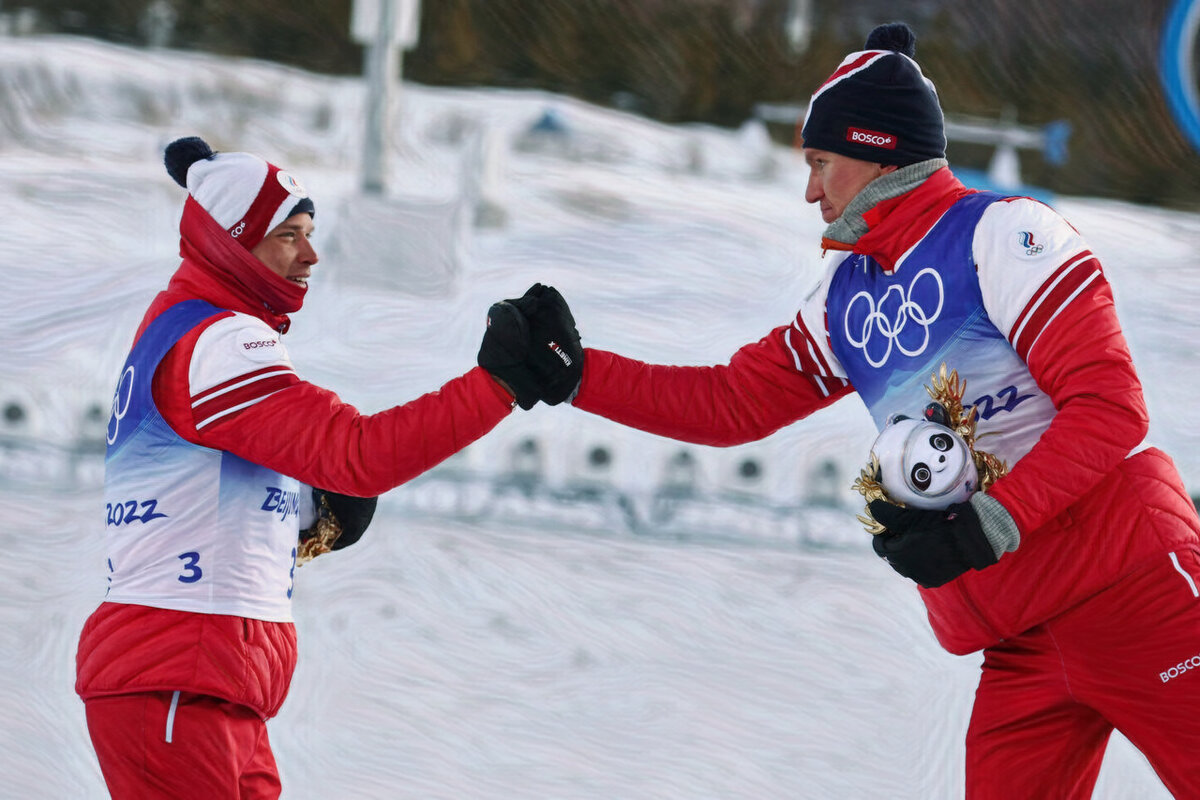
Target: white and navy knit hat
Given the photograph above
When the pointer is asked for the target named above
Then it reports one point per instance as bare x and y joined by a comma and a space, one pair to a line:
246, 195
878, 106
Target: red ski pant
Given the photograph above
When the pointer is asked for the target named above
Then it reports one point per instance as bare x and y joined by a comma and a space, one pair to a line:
181, 746
1128, 658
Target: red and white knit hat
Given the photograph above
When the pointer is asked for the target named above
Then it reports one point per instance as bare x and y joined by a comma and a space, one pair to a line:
246, 195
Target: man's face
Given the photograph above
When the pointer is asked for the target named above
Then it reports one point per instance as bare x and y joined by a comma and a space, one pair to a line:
287, 251
834, 180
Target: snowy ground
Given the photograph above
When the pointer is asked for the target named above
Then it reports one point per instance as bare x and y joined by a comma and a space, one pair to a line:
482, 643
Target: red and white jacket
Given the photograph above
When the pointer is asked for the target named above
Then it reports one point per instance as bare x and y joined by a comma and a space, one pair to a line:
228, 385
1006, 293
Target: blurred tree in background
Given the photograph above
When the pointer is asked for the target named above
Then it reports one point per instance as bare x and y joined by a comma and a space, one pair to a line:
1092, 63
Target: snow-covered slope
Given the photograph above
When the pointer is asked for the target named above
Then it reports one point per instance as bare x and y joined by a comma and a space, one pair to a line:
489, 640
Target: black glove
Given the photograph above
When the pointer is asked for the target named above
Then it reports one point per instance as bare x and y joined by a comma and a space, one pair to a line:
532, 345
556, 358
351, 515
931, 547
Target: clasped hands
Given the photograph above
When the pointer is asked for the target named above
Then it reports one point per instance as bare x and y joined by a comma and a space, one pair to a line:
532, 347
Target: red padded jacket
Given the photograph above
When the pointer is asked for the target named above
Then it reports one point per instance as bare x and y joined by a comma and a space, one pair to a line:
1088, 511
298, 429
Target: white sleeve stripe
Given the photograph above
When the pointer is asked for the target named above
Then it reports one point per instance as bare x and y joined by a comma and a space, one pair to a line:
204, 397
820, 379
813, 353
816, 357
1065, 303
819, 360
232, 409
787, 338
1045, 292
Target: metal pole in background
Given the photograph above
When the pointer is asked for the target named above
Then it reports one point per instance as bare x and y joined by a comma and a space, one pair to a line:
380, 67
798, 25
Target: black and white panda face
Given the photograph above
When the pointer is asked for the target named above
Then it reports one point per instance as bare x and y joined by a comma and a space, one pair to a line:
924, 465
931, 457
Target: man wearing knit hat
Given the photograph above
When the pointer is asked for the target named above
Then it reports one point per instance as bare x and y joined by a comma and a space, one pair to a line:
215, 447
1076, 572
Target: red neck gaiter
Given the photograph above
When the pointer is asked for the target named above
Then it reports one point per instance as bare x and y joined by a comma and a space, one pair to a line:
210, 247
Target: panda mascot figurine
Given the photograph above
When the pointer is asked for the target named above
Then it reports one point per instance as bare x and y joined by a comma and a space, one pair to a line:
931, 462
924, 464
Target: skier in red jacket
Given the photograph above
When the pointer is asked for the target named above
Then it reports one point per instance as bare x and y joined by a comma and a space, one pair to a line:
1076, 573
215, 449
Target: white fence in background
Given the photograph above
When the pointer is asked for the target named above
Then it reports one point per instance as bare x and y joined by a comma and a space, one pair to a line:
678, 506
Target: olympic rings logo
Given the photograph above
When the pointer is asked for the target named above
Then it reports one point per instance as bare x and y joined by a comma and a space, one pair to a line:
119, 408
1176, 58
890, 325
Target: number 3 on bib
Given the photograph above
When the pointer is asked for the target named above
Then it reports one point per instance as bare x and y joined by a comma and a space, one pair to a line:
191, 569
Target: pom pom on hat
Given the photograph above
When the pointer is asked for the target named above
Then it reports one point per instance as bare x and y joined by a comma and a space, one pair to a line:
245, 195
878, 106
182, 153
895, 36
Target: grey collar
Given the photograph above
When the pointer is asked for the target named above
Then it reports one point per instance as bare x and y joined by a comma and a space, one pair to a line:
850, 225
